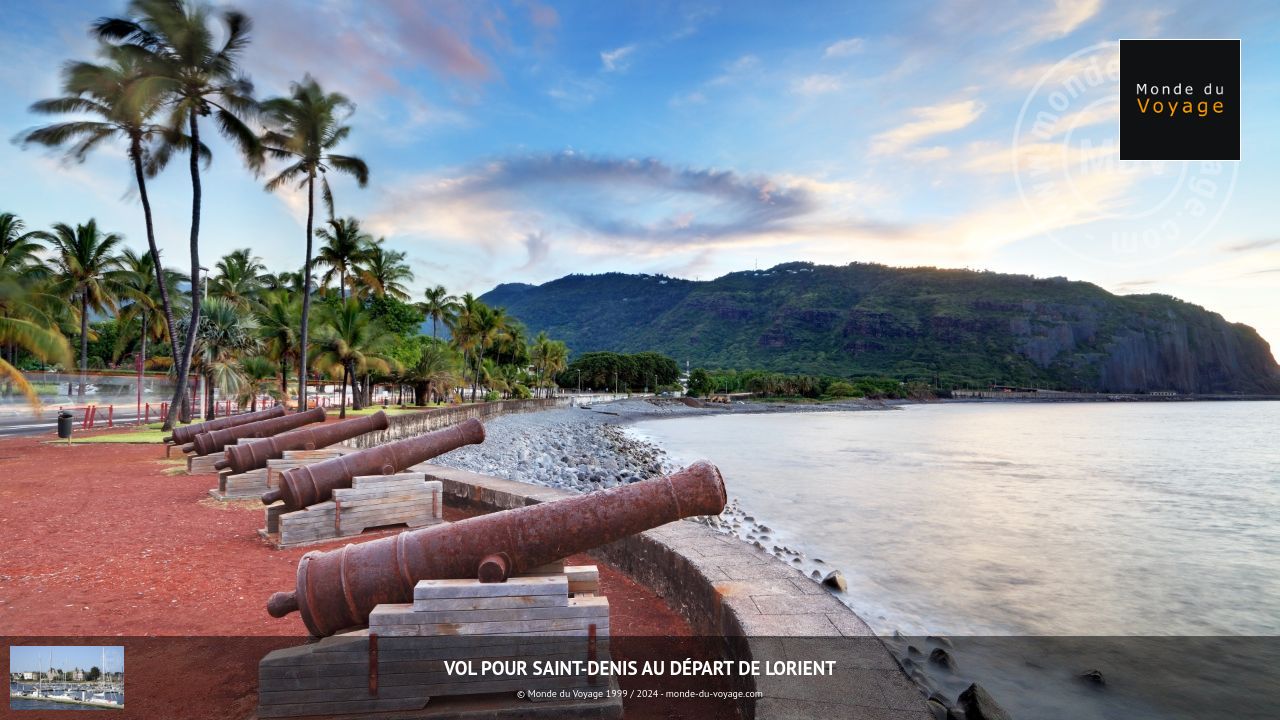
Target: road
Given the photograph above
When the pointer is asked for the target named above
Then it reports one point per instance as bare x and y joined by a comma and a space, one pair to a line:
13, 425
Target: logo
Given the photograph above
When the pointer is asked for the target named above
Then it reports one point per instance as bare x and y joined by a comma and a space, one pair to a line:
1179, 99
1071, 177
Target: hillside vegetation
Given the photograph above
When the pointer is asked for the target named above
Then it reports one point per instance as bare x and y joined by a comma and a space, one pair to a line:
954, 327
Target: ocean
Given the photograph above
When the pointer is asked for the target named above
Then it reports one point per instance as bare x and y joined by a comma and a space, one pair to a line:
1005, 526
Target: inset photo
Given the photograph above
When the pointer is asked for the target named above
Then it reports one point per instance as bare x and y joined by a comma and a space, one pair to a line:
66, 677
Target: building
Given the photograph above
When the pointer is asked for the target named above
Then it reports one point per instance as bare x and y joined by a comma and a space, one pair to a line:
78, 675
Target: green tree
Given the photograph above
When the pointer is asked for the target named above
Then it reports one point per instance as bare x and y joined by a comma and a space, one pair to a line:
700, 384
198, 78
25, 325
439, 306
259, 374
279, 315
383, 273
345, 248
125, 105
304, 129
350, 340
20, 268
226, 333
239, 278
87, 270
141, 316
436, 371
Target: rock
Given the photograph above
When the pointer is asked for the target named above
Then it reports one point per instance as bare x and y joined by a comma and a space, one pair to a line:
939, 640
936, 709
913, 651
1093, 677
816, 575
942, 659
978, 704
835, 580
955, 714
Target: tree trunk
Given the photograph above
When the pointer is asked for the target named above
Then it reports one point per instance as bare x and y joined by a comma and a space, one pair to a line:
135, 151
306, 295
284, 377
342, 411
342, 285
210, 411
188, 345
84, 339
350, 372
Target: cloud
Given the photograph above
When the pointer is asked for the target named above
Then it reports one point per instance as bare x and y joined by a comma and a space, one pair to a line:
844, 48
538, 247
1250, 245
818, 84
930, 120
616, 60
1064, 18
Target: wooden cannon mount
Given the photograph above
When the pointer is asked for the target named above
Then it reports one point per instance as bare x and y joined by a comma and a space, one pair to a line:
252, 467
397, 664
347, 493
472, 590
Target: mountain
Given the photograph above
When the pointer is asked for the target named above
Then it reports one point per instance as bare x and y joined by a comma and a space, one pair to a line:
964, 327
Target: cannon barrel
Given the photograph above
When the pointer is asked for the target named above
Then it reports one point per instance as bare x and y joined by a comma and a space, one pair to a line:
314, 483
339, 588
215, 441
183, 434
253, 455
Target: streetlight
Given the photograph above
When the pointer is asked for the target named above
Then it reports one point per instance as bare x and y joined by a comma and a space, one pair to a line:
205, 270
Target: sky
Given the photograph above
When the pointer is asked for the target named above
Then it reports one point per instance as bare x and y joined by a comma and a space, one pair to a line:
33, 658
522, 141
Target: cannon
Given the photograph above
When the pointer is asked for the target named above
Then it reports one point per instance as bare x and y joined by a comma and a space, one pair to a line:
339, 588
311, 484
253, 455
183, 434
211, 442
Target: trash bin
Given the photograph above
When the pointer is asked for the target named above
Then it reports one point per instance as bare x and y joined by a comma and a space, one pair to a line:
64, 425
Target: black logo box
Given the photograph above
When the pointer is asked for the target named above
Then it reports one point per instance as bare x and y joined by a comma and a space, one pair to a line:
1187, 68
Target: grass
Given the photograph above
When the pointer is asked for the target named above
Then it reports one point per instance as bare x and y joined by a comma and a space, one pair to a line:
390, 410
150, 435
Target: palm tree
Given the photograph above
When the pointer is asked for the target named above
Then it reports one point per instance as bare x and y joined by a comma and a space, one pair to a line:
344, 250
259, 374
304, 129
87, 271
125, 104
225, 334
352, 341
278, 317
435, 373
20, 249
197, 78
24, 325
465, 331
549, 357
19, 262
440, 306
139, 294
239, 277
383, 272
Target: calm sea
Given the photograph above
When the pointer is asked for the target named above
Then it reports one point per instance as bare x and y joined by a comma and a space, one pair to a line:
1017, 520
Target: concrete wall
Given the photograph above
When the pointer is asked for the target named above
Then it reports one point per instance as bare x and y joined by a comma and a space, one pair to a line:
760, 606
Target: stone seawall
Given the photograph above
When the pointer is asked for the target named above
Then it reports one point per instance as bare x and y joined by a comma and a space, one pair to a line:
757, 604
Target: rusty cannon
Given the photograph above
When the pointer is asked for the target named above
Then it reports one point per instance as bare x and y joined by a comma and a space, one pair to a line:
184, 434
311, 484
338, 589
253, 455
211, 442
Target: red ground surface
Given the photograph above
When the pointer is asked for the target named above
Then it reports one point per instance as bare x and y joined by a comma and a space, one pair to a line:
99, 540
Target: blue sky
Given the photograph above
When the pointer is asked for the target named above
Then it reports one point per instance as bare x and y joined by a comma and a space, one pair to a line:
33, 658
522, 141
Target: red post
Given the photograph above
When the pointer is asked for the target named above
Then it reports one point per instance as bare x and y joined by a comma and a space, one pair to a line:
111, 412
147, 421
